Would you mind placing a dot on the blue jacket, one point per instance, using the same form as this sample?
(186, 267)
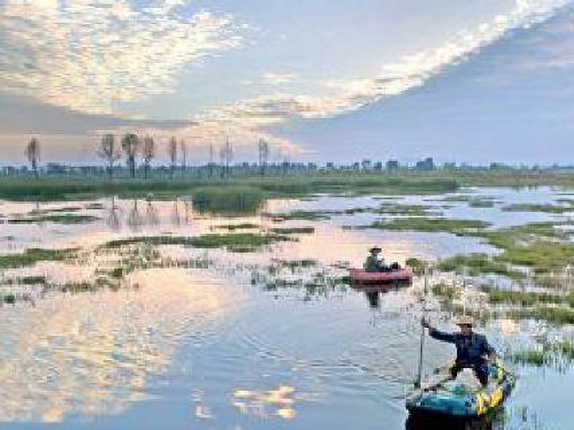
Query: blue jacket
(470, 350)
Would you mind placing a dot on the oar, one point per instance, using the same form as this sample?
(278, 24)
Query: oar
(417, 383)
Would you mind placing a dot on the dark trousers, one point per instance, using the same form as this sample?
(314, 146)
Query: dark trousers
(480, 371)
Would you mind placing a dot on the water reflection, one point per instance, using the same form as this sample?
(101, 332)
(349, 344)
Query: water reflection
(88, 355)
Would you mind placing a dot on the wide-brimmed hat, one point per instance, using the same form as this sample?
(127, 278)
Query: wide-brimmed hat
(464, 320)
(376, 248)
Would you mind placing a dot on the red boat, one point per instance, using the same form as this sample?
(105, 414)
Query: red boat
(362, 277)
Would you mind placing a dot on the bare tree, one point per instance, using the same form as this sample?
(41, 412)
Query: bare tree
(263, 156)
(33, 155)
(110, 152)
(148, 154)
(227, 157)
(172, 150)
(211, 159)
(183, 146)
(131, 146)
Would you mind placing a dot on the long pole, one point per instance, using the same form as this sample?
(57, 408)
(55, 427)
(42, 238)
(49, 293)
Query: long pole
(422, 340)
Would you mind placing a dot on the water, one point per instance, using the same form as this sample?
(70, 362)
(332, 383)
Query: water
(210, 348)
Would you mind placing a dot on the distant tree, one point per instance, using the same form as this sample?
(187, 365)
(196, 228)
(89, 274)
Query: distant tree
(227, 156)
(183, 147)
(211, 160)
(109, 152)
(263, 156)
(148, 154)
(131, 146)
(33, 155)
(172, 151)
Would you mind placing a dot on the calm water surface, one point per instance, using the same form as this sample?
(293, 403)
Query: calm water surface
(217, 348)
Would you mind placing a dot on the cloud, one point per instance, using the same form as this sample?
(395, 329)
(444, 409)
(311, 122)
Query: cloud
(91, 55)
(279, 78)
(348, 94)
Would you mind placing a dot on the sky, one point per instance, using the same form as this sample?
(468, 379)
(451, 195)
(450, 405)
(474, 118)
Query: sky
(459, 80)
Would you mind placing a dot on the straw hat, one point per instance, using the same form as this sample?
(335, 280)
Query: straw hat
(464, 320)
(376, 248)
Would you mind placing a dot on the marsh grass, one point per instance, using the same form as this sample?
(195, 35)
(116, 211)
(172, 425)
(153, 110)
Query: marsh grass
(236, 242)
(236, 200)
(405, 210)
(478, 264)
(56, 219)
(233, 227)
(530, 207)
(292, 230)
(546, 354)
(454, 226)
(34, 255)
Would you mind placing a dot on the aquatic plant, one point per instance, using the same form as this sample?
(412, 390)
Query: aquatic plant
(57, 219)
(455, 226)
(206, 241)
(228, 200)
(32, 256)
(479, 263)
(293, 230)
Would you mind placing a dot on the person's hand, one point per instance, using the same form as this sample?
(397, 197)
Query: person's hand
(425, 323)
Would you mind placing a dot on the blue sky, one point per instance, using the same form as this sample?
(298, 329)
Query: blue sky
(471, 80)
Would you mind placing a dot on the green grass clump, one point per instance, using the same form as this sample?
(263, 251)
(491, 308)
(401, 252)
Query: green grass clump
(538, 358)
(233, 227)
(402, 209)
(542, 255)
(530, 207)
(455, 226)
(228, 200)
(26, 280)
(527, 298)
(445, 291)
(293, 230)
(32, 256)
(57, 219)
(553, 314)
(479, 263)
(417, 265)
(235, 242)
(303, 215)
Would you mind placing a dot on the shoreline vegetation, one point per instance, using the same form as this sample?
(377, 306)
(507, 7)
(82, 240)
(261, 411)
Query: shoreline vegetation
(60, 187)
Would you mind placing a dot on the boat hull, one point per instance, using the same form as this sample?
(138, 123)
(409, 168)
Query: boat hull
(466, 405)
(362, 277)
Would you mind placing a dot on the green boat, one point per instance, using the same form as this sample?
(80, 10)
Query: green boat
(462, 398)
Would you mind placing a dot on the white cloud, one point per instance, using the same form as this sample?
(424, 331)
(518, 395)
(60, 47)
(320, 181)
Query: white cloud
(90, 55)
(347, 94)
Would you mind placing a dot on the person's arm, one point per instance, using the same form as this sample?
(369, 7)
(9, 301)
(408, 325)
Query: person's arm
(437, 334)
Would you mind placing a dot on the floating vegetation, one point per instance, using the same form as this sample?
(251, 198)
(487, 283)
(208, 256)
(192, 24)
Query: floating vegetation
(455, 226)
(293, 230)
(233, 227)
(301, 215)
(530, 207)
(24, 280)
(404, 209)
(417, 265)
(34, 255)
(235, 242)
(482, 202)
(479, 263)
(57, 219)
(446, 291)
(553, 314)
(527, 298)
(546, 354)
(228, 200)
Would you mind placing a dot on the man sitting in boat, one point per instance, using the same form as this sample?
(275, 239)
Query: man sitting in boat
(472, 349)
(376, 264)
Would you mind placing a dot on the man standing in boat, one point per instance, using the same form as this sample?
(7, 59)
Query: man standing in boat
(472, 349)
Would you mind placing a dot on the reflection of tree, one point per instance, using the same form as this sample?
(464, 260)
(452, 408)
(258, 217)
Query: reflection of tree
(135, 220)
(151, 213)
(113, 220)
(175, 216)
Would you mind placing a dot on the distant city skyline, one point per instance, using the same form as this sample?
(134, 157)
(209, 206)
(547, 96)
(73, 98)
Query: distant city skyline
(472, 82)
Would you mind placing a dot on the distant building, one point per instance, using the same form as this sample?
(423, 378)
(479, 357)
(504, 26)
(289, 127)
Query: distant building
(426, 164)
(393, 165)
